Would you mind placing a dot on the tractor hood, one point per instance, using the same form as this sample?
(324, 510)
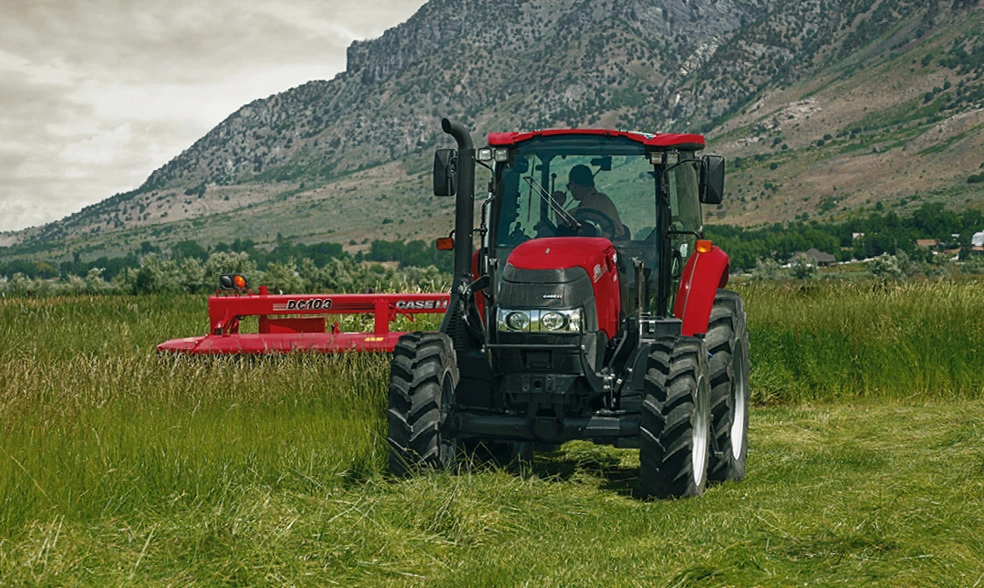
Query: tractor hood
(565, 273)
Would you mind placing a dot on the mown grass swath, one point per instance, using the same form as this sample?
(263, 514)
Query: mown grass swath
(117, 465)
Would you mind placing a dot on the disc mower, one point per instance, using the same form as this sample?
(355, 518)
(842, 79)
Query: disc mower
(297, 322)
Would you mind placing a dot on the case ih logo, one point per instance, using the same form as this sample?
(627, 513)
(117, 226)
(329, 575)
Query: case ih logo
(435, 304)
(305, 304)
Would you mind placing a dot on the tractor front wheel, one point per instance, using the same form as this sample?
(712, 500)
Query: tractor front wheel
(423, 377)
(727, 341)
(675, 427)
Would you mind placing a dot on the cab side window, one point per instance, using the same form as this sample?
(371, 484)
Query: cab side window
(682, 192)
(683, 195)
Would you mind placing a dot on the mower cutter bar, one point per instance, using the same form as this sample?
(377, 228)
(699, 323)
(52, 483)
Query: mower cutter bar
(281, 330)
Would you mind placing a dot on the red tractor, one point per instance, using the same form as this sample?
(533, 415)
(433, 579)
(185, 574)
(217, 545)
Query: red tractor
(603, 320)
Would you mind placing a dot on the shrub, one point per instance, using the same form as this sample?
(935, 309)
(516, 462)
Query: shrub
(283, 277)
(890, 267)
(766, 269)
(803, 267)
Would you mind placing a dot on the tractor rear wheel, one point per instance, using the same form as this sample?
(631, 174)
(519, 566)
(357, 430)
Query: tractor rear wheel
(423, 377)
(676, 423)
(727, 341)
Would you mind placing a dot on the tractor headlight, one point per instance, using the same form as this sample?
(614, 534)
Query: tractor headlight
(499, 155)
(540, 321)
(517, 320)
(552, 321)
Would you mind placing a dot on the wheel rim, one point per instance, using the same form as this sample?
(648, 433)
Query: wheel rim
(702, 432)
(739, 402)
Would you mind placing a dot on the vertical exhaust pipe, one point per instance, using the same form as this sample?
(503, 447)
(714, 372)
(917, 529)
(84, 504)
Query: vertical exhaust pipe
(464, 218)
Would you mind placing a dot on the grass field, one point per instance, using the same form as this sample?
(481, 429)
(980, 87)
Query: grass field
(866, 462)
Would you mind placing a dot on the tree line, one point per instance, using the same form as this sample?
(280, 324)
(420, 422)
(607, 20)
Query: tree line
(859, 238)
(412, 254)
(291, 267)
(157, 274)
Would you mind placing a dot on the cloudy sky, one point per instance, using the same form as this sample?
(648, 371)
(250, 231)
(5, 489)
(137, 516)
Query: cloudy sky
(96, 94)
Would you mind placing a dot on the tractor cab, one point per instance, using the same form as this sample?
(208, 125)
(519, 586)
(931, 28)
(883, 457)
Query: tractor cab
(586, 183)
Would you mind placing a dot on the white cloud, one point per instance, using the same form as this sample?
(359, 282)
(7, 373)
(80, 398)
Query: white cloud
(96, 95)
(100, 149)
(27, 213)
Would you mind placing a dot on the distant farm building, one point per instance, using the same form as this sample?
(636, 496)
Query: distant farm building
(818, 257)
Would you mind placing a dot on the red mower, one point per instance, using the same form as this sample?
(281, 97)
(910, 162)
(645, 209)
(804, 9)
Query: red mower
(297, 322)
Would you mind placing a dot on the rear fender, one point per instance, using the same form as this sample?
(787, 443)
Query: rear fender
(702, 276)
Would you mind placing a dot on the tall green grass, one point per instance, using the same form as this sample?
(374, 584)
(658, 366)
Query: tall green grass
(120, 466)
(96, 424)
(826, 341)
(150, 429)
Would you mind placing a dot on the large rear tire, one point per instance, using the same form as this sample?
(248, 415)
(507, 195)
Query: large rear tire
(675, 427)
(727, 341)
(423, 377)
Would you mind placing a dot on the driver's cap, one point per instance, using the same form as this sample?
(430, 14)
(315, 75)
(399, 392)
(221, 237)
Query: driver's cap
(581, 175)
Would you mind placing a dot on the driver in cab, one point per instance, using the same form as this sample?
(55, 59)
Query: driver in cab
(592, 205)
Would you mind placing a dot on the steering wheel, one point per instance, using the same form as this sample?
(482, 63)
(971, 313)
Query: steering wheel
(595, 221)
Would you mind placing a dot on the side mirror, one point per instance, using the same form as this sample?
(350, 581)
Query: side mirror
(445, 172)
(711, 179)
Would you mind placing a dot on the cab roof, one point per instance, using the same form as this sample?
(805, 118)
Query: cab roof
(657, 142)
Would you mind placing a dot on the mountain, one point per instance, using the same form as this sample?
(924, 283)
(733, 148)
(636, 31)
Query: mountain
(825, 107)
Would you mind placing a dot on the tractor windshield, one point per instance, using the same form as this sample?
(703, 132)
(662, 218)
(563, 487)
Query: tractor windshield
(591, 185)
